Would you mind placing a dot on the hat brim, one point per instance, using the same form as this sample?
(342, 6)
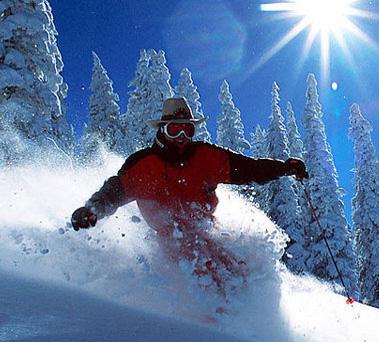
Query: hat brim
(158, 123)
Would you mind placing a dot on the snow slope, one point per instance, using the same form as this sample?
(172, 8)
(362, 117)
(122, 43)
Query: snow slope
(57, 284)
(38, 311)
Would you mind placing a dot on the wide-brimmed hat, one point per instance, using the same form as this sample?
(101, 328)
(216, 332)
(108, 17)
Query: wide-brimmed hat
(175, 109)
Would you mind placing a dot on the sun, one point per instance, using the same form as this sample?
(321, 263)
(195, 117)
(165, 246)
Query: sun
(324, 14)
(326, 20)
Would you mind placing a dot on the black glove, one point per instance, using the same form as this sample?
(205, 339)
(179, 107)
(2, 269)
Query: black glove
(83, 218)
(296, 167)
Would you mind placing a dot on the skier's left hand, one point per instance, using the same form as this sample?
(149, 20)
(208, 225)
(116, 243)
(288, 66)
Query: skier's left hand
(297, 168)
(83, 218)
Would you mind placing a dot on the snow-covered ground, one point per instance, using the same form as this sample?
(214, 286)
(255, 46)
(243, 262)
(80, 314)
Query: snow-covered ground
(39, 311)
(113, 283)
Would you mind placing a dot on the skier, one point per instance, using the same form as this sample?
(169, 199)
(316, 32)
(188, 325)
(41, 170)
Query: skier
(174, 183)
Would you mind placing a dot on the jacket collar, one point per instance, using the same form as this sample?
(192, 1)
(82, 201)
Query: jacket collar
(169, 154)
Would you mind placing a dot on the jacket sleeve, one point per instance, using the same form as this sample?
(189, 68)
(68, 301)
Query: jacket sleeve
(244, 170)
(117, 190)
(108, 199)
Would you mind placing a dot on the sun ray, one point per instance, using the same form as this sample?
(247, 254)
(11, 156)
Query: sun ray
(311, 37)
(309, 41)
(345, 48)
(325, 56)
(278, 7)
(355, 12)
(288, 37)
(278, 16)
(349, 57)
(355, 30)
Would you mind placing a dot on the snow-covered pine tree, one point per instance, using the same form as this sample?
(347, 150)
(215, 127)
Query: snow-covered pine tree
(259, 145)
(230, 129)
(103, 129)
(159, 90)
(325, 193)
(259, 150)
(282, 200)
(134, 120)
(277, 141)
(12, 146)
(188, 90)
(61, 132)
(151, 87)
(31, 87)
(295, 143)
(365, 206)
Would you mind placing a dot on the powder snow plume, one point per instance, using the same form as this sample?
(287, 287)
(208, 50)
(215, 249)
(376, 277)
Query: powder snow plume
(120, 259)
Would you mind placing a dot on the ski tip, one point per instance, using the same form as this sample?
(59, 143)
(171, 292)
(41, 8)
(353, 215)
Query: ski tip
(350, 300)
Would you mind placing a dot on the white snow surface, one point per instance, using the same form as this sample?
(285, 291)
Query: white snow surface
(113, 283)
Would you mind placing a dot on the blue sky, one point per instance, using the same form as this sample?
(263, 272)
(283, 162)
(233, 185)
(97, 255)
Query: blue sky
(216, 40)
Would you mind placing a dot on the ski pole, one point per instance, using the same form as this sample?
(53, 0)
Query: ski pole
(349, 300)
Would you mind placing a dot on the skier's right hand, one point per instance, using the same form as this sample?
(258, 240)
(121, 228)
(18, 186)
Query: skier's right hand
(83, 218)
(297, 168)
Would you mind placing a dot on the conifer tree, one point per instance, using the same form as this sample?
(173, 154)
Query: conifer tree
(60, 131)
(365, 206)
(159, 89)
(151, 87)
(295, 143)
(259, 146)
(259, 150)
(31, 87)
(103, 129)
(188, 90)
(325, 193)
(230, 129)
(12, 146)
(277, 141)
(134, 120)
(281, 199)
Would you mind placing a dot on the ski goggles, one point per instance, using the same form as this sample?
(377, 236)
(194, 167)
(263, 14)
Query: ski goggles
(175, 129)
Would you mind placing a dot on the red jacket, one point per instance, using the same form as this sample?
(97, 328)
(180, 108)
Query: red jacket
(174, 190)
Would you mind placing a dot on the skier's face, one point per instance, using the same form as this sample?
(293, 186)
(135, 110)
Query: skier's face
(178, 135)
